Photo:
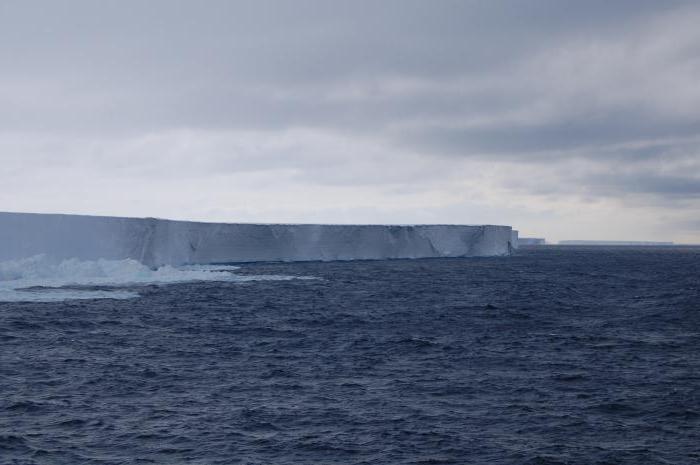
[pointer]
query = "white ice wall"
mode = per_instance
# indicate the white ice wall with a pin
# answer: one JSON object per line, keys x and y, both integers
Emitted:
{"x": 158, "y": 242}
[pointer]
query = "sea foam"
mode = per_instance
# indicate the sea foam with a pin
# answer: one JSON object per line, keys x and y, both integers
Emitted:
{"x": 43, "y": 279}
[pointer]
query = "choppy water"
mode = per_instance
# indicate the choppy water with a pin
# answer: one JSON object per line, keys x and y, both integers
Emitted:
{"x": 554, "y": 356}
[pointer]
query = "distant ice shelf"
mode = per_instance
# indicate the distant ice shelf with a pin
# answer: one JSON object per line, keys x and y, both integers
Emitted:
{"x": 531, "y": 241}
{"x": 157, "y": 242}
{"x": 608, "y": 243}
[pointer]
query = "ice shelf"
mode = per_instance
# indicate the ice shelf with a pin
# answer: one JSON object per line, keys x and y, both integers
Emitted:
{"x": 157, "y": 242}
{"x": 531, "y": 241}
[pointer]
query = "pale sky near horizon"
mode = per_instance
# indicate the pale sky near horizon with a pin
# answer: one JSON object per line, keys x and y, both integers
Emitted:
{"x": 565, "y": 119}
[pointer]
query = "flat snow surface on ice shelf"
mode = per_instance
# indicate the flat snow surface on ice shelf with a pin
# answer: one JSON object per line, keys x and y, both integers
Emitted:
{"x": 156, "y": 242}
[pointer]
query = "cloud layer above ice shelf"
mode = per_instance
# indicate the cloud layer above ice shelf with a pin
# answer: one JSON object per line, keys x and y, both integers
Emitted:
{"x": 567, "y": 119}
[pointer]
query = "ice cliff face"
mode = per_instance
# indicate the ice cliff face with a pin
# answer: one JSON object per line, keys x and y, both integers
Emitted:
{"x": 162, "y": 242}
{"x": 514, "y": 239}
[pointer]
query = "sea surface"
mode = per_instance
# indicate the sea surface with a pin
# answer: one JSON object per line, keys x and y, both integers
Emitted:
{"x": 557, "y": 355}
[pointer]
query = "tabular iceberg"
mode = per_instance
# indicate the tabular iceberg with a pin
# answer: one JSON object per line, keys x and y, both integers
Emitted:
{"x": 157, "y": 242}
{"x": 532, "y": 241}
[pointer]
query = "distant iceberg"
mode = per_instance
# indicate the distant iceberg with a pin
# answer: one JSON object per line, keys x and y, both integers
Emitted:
{"x": 618, "y": 243}
{"x": 157, "y": 242}
{"x": 532, "y": 241}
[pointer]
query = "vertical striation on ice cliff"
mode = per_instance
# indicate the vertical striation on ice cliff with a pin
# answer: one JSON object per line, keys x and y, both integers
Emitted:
{"x": 158, "y": 242}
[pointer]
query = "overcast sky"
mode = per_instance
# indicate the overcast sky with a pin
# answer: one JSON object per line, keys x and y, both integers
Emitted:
{"x": 566, "y": 119}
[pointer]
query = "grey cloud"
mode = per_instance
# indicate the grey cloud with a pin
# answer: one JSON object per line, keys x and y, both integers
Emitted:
{"x": 95, "y": 66}
{"x": 647, "y": 183}
{"x": 552, "y": 140}
{"x": 429, "y": 86}
{"x": 688, "y": 225}
{"x": 280, "y": 39}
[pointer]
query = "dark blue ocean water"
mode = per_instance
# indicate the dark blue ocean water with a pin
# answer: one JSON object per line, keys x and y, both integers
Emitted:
{"x": 553, "y": 356}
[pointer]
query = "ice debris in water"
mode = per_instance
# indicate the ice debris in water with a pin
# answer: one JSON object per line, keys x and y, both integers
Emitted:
{"x": 43, "y": 279}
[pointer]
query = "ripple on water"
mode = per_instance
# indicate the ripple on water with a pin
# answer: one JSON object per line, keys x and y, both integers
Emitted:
{"x": 554, "y": 356}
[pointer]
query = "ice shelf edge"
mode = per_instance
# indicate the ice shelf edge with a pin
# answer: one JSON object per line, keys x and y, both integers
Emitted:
{"x": 158, "y": 242}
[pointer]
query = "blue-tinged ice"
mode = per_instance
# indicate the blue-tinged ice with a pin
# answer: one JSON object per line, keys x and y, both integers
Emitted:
{"x": 156, "y": 242}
